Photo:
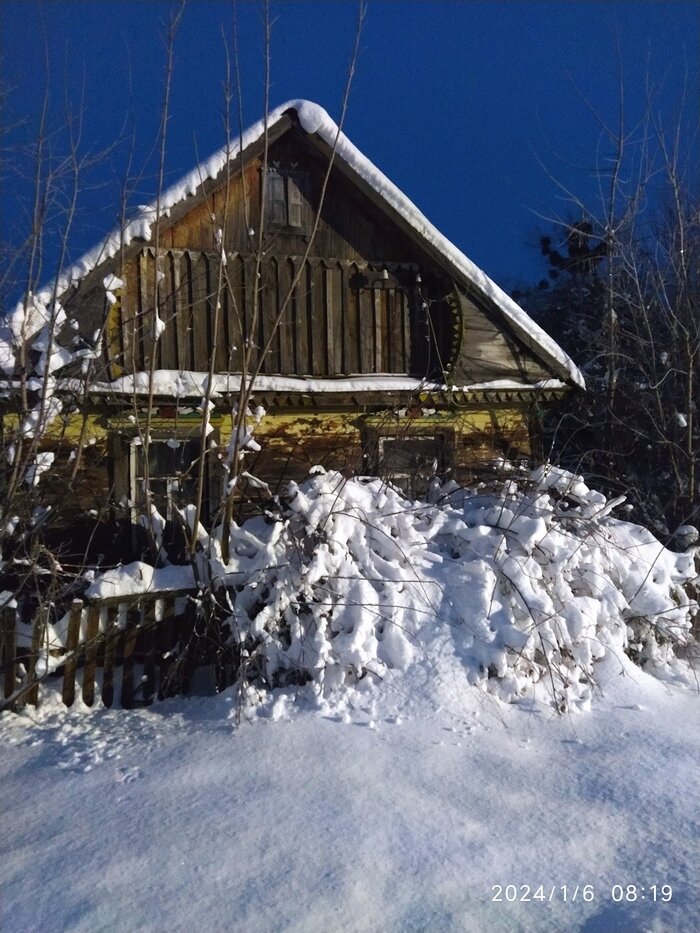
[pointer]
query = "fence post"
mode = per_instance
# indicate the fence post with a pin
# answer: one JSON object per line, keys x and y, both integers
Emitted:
{"x": 38, "y": 631}
{"x": 72, "y": 638}
{"x": 128, "y": 664}
{"x": 90, "y": 669}
{"x": 150, "y": 628}
{"x": 165, "y": 646}
{"x": 111, "y": 636}
{"x": 8, "y": 665}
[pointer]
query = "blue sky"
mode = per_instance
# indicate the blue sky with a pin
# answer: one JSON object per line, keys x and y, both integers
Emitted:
{"x": 466, "y": 106}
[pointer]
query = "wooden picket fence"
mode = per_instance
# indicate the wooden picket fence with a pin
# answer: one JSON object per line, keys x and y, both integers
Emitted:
{"x": 127, "y": 651}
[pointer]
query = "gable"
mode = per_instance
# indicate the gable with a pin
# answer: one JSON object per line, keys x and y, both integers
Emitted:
{"x": 378, "y": 273}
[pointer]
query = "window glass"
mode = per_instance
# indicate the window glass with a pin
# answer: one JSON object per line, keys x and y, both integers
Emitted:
{"x": 277, "y": 210}
{"x": 410, "y": 462}
{"x": 173, "y": 468}
{"x": 284, "y": 202}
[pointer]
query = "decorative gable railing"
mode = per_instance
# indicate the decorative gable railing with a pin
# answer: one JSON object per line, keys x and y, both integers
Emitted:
{"x": 318, "y": 317}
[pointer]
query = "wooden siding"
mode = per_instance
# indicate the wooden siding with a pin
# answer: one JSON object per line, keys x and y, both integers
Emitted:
{"x": 319, "y": 317}
{"x": 487, "y": 351}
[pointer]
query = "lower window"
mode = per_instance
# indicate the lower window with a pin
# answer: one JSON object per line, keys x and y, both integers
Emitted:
{"x": 410, "y": 462}
{"x": 173, "y": 469}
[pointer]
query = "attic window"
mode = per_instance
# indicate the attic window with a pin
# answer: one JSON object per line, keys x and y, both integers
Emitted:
{"x": 285, "y": 205}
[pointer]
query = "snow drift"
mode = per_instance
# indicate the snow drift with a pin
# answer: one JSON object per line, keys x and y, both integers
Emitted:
{"x": 355, "y": 583}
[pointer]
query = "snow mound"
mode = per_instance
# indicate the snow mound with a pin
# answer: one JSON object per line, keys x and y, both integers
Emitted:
{"x": 355, "y": 587}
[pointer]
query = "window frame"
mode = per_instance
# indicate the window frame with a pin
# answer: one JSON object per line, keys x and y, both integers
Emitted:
{"x": 284, "y": 209}
{"x": 410, "y": 481}
{"x": 135, "y": 472}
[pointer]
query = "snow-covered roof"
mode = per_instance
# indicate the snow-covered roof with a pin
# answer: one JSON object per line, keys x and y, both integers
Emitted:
{"x": 315, "y": 121}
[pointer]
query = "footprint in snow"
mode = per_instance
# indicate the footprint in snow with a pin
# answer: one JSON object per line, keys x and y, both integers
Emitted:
{"x": 128, "y": 775}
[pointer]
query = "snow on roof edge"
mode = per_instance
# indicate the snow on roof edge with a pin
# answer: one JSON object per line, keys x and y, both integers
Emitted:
{"x": 320, "y": 123}
{"x": 189, "y": 384}
{"x": 314, "y": 120}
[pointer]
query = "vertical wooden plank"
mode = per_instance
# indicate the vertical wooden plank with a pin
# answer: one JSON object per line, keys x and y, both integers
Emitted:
{"x": 186, "y": 637}
{"x": 303, "y": 296}
{"x": 260, "y": 331}
{"x": 378, "y": 313}
{"x": 8, "y": 670}
{"x": 217, "y": 310}
{"x": 286, "y": 327}
{"x": 113, "y": 350}
{"x": 130, "y": 634}
{"x": 156, "y": 345}
{"x": 327, "y": 317}
{"x": 167, "y": 344}
{"x": 143, "y": 326}
{"x": 180, "y": 273}
{"x": 334, "y": 314}
{"x": 317, "y": 320}
{"x": 90, "y": 669}
{"x": 226, "y": 334}
{"x": 389, "y": 349}
{"x": 205, "y": 266}
{"x": 270, "y": 314}
{"x": 72, "y": 638}
{"x": 150, "y": 624}
{"x": 201, "y": 322}
{"x": 31, "y": 696}
{"x": 293, "y": 316}
{"x": 165, "y": 645}
{"x": 232, "y": 312}
{"x": 188, "y": 295}
{"x": 406, "y": 332}
{"x": 128, "y": 316}
{"x": 111, "y": 638}
{"x": 394, "y": 327}
{"x": 366, "y": 328}
{"x": 351, "y": 350}
{"x": 247, "y": 285}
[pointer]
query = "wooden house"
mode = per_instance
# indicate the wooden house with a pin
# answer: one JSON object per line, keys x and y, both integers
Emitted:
{"x": 378, "y": 347}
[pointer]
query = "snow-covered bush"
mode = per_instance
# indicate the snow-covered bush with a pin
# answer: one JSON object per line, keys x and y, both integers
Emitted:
{"x": 351, "y": 588}
{"x": 529, "y": 586}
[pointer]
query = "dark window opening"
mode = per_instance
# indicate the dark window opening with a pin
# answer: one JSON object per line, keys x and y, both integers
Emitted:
{"x": 413, "y": 463}
{"x": 173, "y": 467}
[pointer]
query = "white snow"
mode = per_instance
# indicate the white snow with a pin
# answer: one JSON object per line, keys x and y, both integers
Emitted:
{"x": 315, "y": 121}
{"x": 516, "y": 593}
{"x": 42, "y": 462}
{"x": 175, "y": 818}
{"x": 185, "y": 384}
{"x": 139, "y": 577}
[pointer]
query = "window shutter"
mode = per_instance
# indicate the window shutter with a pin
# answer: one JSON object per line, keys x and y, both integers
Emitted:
{"x": 275, "y": 196}
{"x": 294, "y": 204}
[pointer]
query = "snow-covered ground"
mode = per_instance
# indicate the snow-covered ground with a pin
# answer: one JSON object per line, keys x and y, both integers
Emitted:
{"x": 174, "y": 818}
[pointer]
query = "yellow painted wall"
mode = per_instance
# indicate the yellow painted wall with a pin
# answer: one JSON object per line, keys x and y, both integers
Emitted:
{"x": 292, "y": 442}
